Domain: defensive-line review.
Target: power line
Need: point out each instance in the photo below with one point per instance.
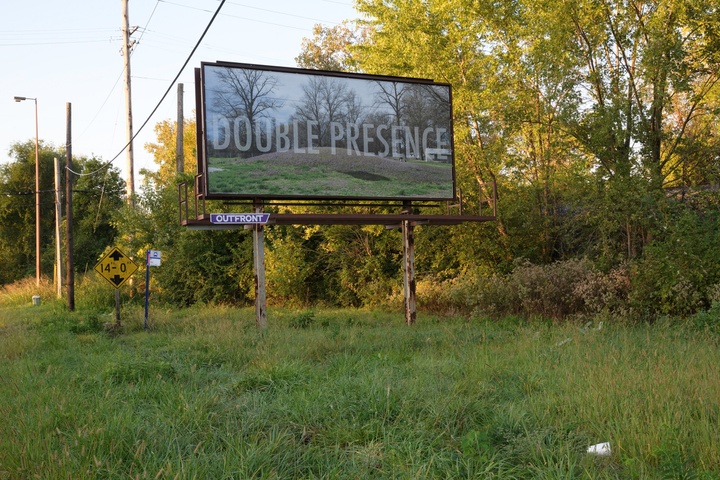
(112, 89)
(143, 30)
(51, 31)
(222, 2)
(92, 121)
(280, 13)
(53, 42)
(244, 18)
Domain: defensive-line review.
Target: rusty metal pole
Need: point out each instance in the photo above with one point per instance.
(38, 246)
(70, 256)
(409, 270)
(179, 146)
(259, 270)
(117, 309)
(58, 220)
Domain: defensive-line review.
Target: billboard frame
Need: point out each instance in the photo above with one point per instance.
(203, 147)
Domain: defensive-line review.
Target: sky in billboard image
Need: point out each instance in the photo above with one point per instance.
(300, 134)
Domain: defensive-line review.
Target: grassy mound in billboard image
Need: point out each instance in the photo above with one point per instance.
(328, 175)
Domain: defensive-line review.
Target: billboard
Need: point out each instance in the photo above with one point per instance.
(287, 133)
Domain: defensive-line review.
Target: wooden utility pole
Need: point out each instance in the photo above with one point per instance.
(179, 153)
(58, 219)
(130, 187)
(69, 257)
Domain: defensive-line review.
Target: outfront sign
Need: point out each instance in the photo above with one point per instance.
(239, 218)
(116, 267)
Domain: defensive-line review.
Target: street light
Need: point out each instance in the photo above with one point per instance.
(37, 191)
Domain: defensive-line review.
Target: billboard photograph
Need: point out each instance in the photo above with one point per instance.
(300, 134)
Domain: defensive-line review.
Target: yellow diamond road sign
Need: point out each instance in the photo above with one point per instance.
(116, 267)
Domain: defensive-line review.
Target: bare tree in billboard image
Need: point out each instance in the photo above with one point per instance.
(327, 101)
(427, 107)
(301, 134)
(247, 95)
(391, 94)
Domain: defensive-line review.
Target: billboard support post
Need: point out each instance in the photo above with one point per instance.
(259, 271)
(409, 268)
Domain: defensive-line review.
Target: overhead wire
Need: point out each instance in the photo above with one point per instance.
(197, 45)
(143, 30)
(281, 13)
(53, 42)
(292, 27)
(29, 192)
(112, 89)
(22, 38)
(146, 29)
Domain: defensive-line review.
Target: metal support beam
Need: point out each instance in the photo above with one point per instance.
(409, 271)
